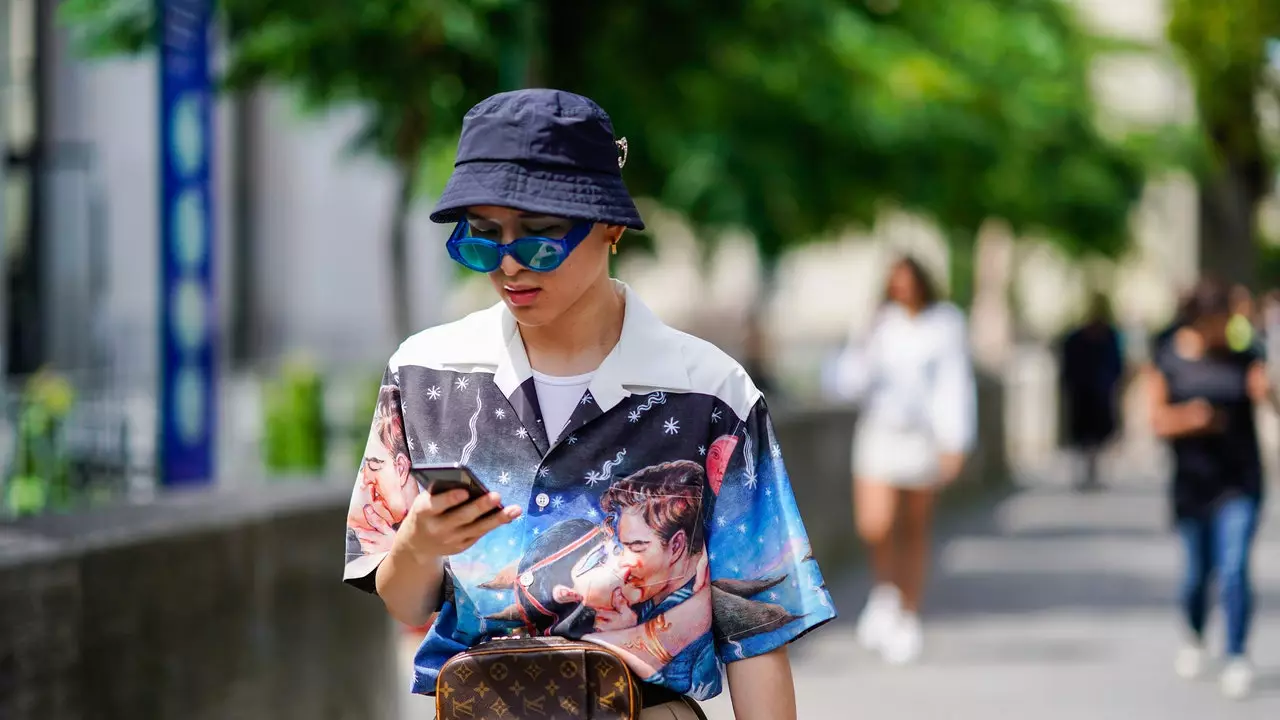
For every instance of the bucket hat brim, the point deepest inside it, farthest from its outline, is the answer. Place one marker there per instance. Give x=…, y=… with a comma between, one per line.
x=569, y=193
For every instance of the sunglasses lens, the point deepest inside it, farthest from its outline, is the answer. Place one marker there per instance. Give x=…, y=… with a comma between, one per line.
x=538, y=254
x=479, y=256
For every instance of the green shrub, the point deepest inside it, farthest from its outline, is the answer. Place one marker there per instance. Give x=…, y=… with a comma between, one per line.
x=361, y=421
x=295, y=439
x=40, y=478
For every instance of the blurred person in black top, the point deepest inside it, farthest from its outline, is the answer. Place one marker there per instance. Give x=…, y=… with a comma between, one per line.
x=1091, y=372
x=1202, y=398
x=1166, y=333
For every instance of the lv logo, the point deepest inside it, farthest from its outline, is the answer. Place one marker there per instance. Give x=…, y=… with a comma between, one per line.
x=464, y=707
x=535, y=706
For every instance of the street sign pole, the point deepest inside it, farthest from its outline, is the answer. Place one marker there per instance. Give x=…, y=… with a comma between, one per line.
x=188, y=381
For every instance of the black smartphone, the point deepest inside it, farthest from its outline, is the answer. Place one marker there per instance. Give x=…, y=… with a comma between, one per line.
x=437, y=479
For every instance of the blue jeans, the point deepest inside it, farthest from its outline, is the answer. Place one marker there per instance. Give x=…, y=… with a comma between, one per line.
x=1219, y=545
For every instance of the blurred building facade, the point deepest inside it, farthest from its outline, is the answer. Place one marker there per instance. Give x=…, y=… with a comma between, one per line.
x=300, y=223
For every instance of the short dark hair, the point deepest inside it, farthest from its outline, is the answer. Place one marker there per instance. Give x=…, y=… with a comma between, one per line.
x=669, y=496
x=923, y=280
x=389, y=423
x=1210, y=296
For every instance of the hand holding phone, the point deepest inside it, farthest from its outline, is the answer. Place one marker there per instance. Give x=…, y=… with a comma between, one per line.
x=454, y=511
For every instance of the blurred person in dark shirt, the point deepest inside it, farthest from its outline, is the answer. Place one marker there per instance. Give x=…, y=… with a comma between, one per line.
x=1092, y=368
x=1203, y=395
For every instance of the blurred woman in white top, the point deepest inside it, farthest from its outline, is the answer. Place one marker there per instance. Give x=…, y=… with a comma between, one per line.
x=912, y=377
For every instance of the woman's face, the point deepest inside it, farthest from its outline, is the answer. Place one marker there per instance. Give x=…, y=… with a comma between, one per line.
x=903, y=288
x=538, y=298
x=598, y=578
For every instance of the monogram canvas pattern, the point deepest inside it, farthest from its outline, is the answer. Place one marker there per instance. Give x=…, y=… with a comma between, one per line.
x=520, y=679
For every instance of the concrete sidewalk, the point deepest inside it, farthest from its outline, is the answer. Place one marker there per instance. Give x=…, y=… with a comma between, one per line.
x=1048, y=605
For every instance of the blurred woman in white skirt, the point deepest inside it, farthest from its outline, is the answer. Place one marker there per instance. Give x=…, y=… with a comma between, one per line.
x=913, y=380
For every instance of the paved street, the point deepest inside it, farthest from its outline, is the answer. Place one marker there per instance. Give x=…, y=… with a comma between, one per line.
x=1045, y=605
x=1049, y=605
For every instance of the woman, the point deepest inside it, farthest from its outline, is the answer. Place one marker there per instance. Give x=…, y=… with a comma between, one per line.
x=913, y=377
x=636, y=467
x=1203, y=395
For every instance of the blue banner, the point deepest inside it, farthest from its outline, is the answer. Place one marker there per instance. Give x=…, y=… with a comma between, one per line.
x=187, y=418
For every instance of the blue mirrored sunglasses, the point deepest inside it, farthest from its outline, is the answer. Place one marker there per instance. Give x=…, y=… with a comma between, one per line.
x=540, y=254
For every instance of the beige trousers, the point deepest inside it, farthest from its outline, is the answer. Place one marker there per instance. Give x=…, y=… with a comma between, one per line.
x=670, y=711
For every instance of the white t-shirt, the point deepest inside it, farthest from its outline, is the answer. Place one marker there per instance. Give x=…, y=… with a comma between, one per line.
x=558, y=397
x=913, y=374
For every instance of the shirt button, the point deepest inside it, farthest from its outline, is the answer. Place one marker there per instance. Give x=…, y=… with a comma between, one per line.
x=526, y=579
x=542, y=500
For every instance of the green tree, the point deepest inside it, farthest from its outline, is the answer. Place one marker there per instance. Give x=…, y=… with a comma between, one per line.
x=1224, y=47
x=791, y=120
x=417, y=65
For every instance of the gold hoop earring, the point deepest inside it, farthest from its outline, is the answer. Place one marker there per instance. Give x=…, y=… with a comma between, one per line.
x=613, y=247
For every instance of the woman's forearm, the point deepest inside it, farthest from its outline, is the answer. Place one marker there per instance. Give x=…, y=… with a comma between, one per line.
x=410, y=585
x=761, y=687
x=1175, y=421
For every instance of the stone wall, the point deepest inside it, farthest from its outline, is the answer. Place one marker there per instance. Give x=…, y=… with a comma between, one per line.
x=199, y=606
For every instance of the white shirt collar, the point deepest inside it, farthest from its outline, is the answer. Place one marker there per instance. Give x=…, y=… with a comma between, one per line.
x=649, y=355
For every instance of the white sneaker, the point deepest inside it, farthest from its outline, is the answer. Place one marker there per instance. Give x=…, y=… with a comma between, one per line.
x=878, y=616
x=1237, y=679
x=1190, y=661
x=905, y=642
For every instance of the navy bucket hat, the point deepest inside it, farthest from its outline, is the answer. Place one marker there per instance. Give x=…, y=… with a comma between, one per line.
x=542, y=151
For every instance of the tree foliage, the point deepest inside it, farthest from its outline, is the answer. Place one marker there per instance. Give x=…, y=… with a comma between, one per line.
x=1224, y=48
x=789, y=119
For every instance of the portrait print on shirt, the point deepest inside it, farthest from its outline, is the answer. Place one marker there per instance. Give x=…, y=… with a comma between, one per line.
x=661, y=524
x=384, y=489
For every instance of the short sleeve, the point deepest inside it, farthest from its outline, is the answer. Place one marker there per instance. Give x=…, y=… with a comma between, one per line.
x=384, y=489
x=767, y=589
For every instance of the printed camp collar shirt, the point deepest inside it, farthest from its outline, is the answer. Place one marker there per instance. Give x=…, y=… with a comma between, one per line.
x=662, y=524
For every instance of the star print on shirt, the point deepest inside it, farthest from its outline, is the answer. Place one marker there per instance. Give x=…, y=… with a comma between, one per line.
x=633, y=416
x=409, y=442
x=500, y=413
x=432, y=448
x=461, y=383
x=522, y=433
x=715, y=415
x=586, y=398
x=671, y=427
x=544, y=472
x=573, y=439
x=557, y=502
x=776, y=450
x=504, y=477
x=702, y=449
x=433, y=392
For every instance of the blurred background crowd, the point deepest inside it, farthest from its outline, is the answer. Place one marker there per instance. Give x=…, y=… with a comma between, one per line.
x=213, y=221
